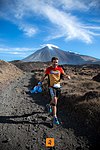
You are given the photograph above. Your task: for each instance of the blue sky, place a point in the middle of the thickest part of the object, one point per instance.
(28, 25)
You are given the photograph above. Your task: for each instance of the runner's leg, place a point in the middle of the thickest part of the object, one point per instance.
(54, 98)
(54, 105)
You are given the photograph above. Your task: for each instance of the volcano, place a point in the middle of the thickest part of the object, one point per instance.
(65, 57)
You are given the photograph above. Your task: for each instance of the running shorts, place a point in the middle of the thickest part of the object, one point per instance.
(54, 92)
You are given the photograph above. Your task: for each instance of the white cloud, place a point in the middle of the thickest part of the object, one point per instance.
(69, 26)
(18, 51)
(15, 13)
(73, 5)
(28, 29)
(92, 27)
(64, 24)
(77, 4)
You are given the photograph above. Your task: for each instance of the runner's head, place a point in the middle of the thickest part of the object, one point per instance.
(54, 61)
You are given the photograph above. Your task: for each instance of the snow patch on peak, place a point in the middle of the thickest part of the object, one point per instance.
(50, 46)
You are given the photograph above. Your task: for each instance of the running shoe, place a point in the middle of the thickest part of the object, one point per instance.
(55, 121)
(49, 109)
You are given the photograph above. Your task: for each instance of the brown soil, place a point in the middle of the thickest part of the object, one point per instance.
(24, 122)
(8, 72)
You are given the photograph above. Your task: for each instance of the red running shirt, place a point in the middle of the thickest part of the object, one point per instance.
(54, 74)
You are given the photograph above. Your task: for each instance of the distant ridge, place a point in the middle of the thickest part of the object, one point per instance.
(65, 57)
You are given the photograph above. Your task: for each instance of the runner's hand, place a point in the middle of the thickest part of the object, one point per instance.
(40, 83)
(69, 77)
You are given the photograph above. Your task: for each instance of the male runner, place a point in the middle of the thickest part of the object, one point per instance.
(54, 74)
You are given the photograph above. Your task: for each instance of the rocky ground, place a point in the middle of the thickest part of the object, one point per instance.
(25, 124)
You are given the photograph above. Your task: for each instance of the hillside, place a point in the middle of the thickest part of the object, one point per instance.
(8, 72)
(24, 122)
(29, 66)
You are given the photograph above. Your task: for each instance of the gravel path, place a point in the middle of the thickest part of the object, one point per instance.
(25, 125)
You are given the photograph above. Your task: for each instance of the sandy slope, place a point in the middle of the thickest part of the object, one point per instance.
(8, 72)
(24, 124)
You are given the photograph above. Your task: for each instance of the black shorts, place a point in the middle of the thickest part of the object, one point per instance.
(54, 92)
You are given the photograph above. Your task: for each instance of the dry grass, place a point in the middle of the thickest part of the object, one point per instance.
(81, 95)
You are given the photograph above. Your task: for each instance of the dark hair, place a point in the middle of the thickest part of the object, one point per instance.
(54, 58)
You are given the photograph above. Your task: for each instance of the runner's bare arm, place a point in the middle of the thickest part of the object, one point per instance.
(67, 76)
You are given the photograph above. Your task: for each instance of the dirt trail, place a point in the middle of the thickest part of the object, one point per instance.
(24, 123)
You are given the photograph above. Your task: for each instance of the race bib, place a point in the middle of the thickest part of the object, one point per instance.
(56, 85)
